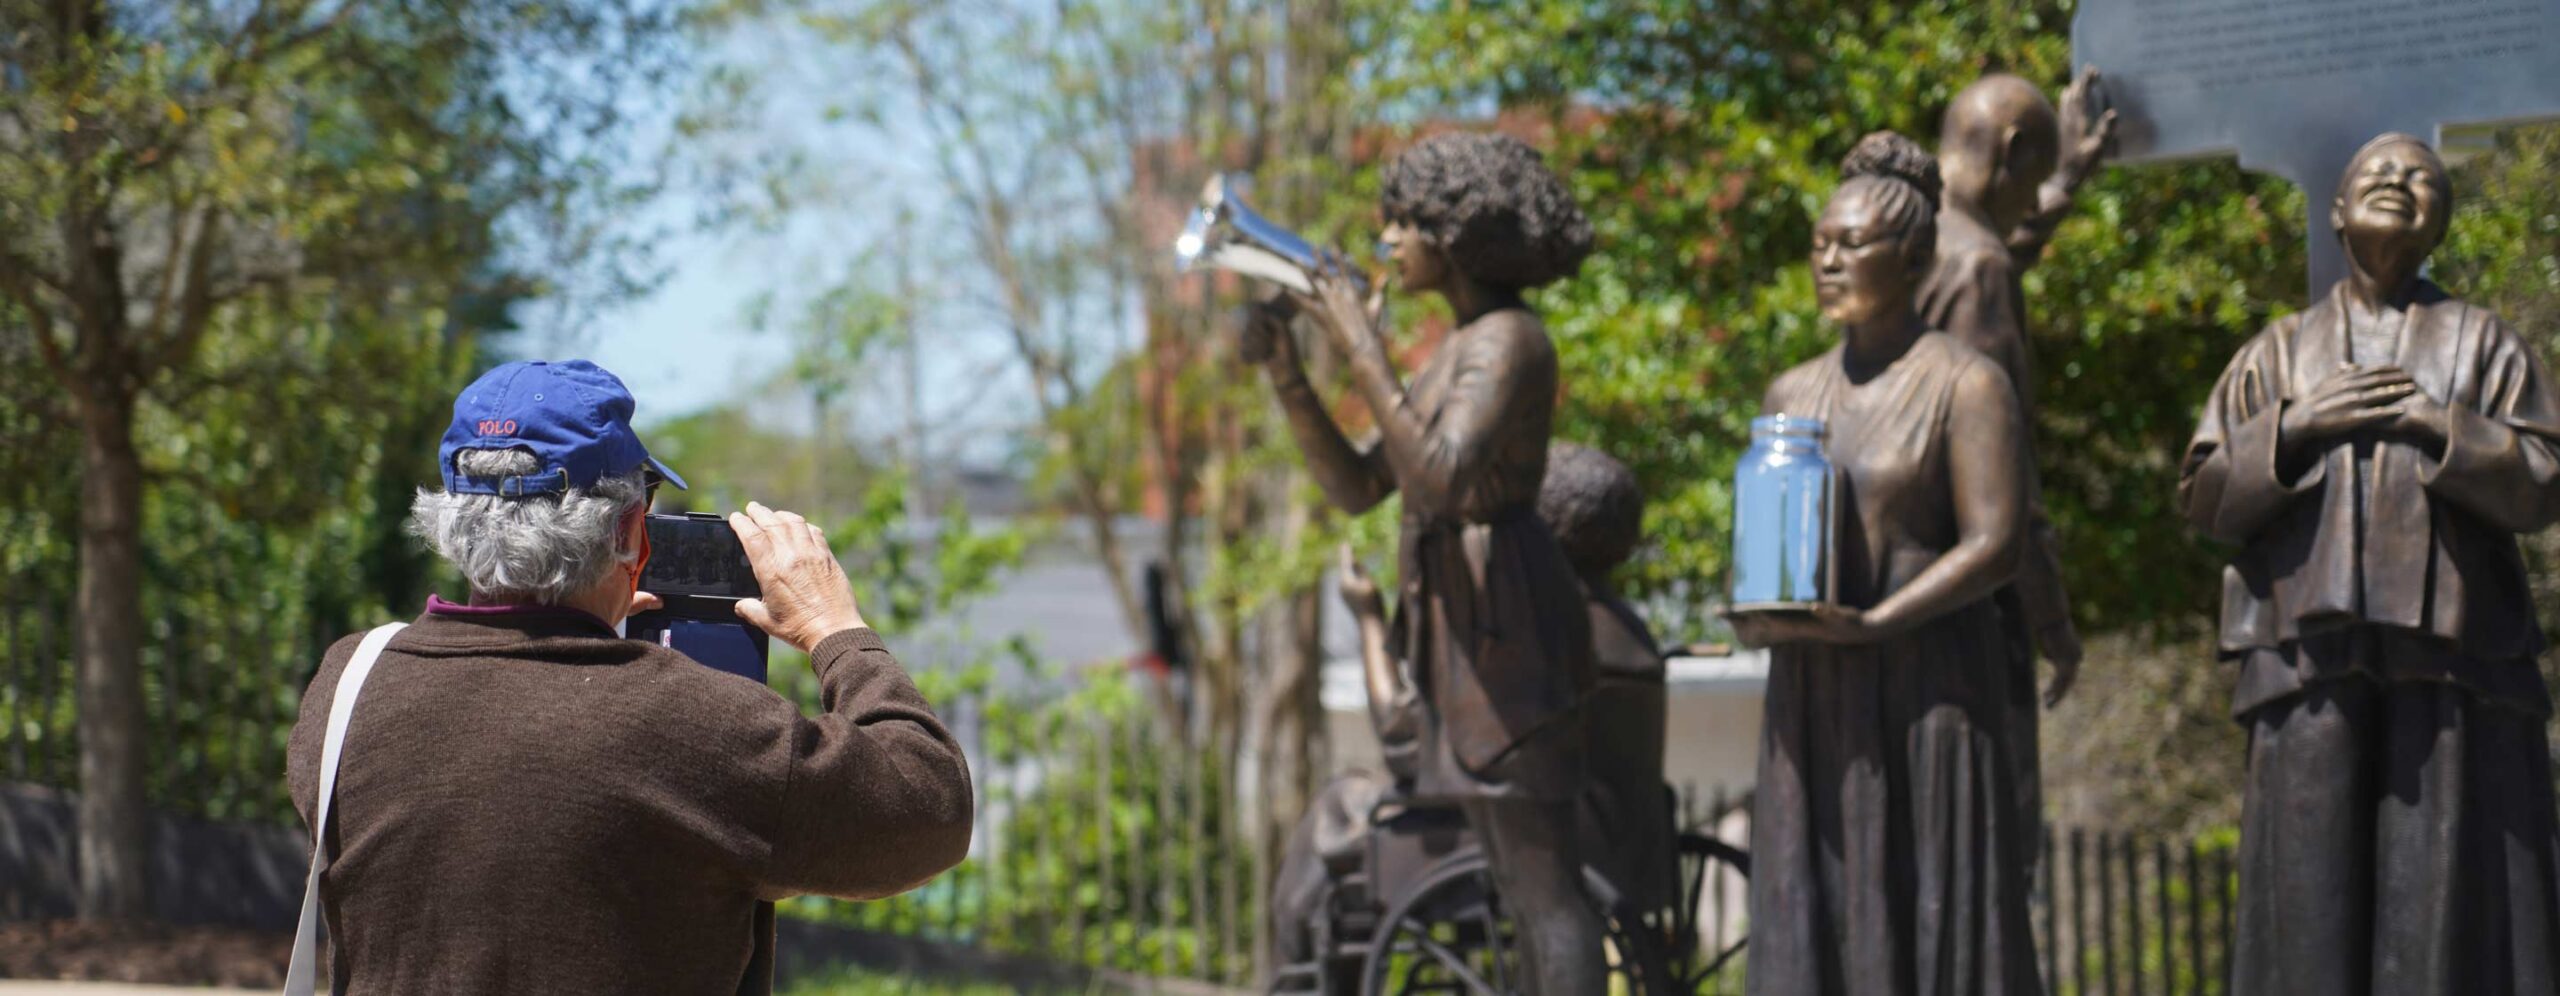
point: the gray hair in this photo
(539, 548)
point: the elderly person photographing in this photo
(527, 802)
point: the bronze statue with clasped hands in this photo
(2373, 458)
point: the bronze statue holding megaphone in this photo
(1490, 617)
(1225, 233)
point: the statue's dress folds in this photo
(1972, 293)
(1490, 614)
(1886, 833)
(2400, 801)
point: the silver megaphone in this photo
(1225, 233)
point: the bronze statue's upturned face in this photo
(1420, 266)
(1861, 269)
(2395, 191)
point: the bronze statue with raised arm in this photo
(1489, 616)
(2374, 458)
(2011, 165)
(1885, 822)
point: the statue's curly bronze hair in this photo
(1491, 203)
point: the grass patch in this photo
(857, 982)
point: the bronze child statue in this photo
(1489, 615)
(1885, 821)
(1593, 505)
(2374, 458)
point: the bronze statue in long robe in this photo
(2374, 458)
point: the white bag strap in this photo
(298, 976)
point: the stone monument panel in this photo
(2294, 87)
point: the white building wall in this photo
(1714, 729)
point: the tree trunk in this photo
(114, 827)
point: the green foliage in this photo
(1101, 840)
(255, 244)
(856, 982)
(1715, 141)
(261, 547)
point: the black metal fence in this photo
(2115, 914)
(1104, 840)
(221, 691)
(2126, 914)
(1107, 840)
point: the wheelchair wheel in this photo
(1451, 935)
(1694, 962)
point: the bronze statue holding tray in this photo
(1885, 824)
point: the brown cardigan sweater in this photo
(529, 804)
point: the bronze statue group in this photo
(2372, 458)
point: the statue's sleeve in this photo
(1456, 443)
(2501, 460)
(2229, 484)
(1354, 476)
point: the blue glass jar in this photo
(1783, 494)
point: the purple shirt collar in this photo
(437, 606)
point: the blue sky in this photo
(686, 346)
(691, 344)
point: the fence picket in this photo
(2131, 853)
(1045, 840)
(1135, 914)
(2045, 872)
(976, 723)
(1166, 825)
(1101, 742)
(1237, 963)
(49, 668)
(2162, 874)
(2196, 953)
(2079, 922)
(16, 730)
(1196, 835)
(2224, 892)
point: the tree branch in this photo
(163, 302)
(992, 227)
(183, 330)
(17, 280)
(252, 44)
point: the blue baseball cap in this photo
(573, 416)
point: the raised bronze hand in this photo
(2088, 126)
(1263, 335)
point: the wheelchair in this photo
(1413, 910)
